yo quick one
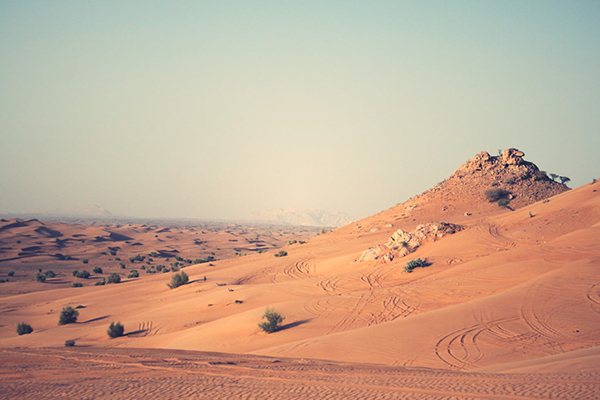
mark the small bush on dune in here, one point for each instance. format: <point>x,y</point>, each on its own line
<point>24,329</point>
<point>115,330</point>
<point>273,323</point>
<point>69,343</point>
<point>85,261</point>
<point>133,274</point>
<point>68,315</point>
<point>40,277</point>
<point>10,273</point>
<point>83,274</point>
<point>50,274</point>
<point>76,284</point>
<point>97,270</point>
<point>281,253</point>
<point>113,277</point>
<point>493,195</point>
<point>178,280</point>
<point>416,263</point>
<point>503,203</point>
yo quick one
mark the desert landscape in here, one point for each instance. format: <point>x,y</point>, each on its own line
<point>486,286</point>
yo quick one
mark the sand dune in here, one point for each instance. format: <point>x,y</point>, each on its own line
<point>512,292</point>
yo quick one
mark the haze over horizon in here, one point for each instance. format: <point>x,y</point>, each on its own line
<point>221,110</point>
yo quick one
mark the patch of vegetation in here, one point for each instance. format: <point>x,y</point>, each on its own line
<point>11,273</point>
<point>273,321</point>
<point>540,175</point>
<point>24,329</point>
<point>133,274</point>
<point>416,263</point>
<point>50,274</point>
<point>85,261</point>
<point>68,315</point>
<point>178,280</point>
<point>203,260</point>
<point>75,272</point>
<point>115,330</point>
<point>503,203</point>
<point>100,283</point>
<point>97,270</point>
<point>493,195</point>
<point>113,277</point>
<point>564,180</point>
<point>69,343</point>
<point>83,274</point>
<point>77,284</point>
<point>40,277</point>
<point>281,253</point>
<point>137,258</point>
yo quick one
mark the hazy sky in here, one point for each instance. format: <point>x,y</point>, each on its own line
<point>217,109</point>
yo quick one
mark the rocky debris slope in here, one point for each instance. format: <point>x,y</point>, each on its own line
<point>402,243</point>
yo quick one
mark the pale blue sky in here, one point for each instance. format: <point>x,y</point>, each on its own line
<point>220,109</point>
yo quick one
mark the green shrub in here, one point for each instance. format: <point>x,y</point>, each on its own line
<point>281,253</point>
<point>133,274</point>
<point>24,329</point>
<point>97,270</point>
<point>541,176</point>
<point>113,253</point>
<point>69,343</point>
<point>11,273</point>
<point>115,330</point>
<point>85,261</point>
<point>50,274</point>
<point>83,274</point>
<point>503,202</point>
<point>273,323</point>
<point>76,284</point>
<point>40,277</point>
<point>178,280</point>
<point>416,263</point>
<point>493,195</point>
<point>564,179</point>
<point>100,283</point>
<point>68,315</point>
<point>113,277</point>
<point>75,272</point>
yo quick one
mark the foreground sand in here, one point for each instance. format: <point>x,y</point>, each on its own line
<point>92,373</point>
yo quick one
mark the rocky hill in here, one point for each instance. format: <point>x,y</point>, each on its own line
<point>462,196</point>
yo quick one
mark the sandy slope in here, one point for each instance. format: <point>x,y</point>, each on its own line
<point>514,291</point>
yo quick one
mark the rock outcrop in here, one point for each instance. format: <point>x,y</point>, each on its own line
<point>402,243</point>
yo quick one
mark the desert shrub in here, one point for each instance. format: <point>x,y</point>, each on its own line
<point>178,258</point>
<point>503,202</point>
<point>97,270</point>
<point>83,274</point>
<point>100,283</point>
<point>2,280</point>
<point>204,260</point>
<point>416,263</point>
<point>50,274</point>
<point>553,177</point>
<point>24,329</point>
<point>281,253</point>
<point>541,176</point>
<point>68,315</point>
<point>273,321</point>
<point>291,242</point>
<point>75,272</point>
<point>85,261</point>
<point>493,195</point>
<point>113,253</point>
<point>178,280</point>
<point>40,277</point>
<point>10,273</point>
<point>69,343</point>
<point>76,284</point>
<point>564,179</point>
<point>115,330</point>
<point>143,267</point>
<point>113,277</point>
<point>68,258</point>
<point>133,274</point>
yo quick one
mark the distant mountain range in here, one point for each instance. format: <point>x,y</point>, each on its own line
<point>303,217</point>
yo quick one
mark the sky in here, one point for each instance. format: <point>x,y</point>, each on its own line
<point>220,109</point>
